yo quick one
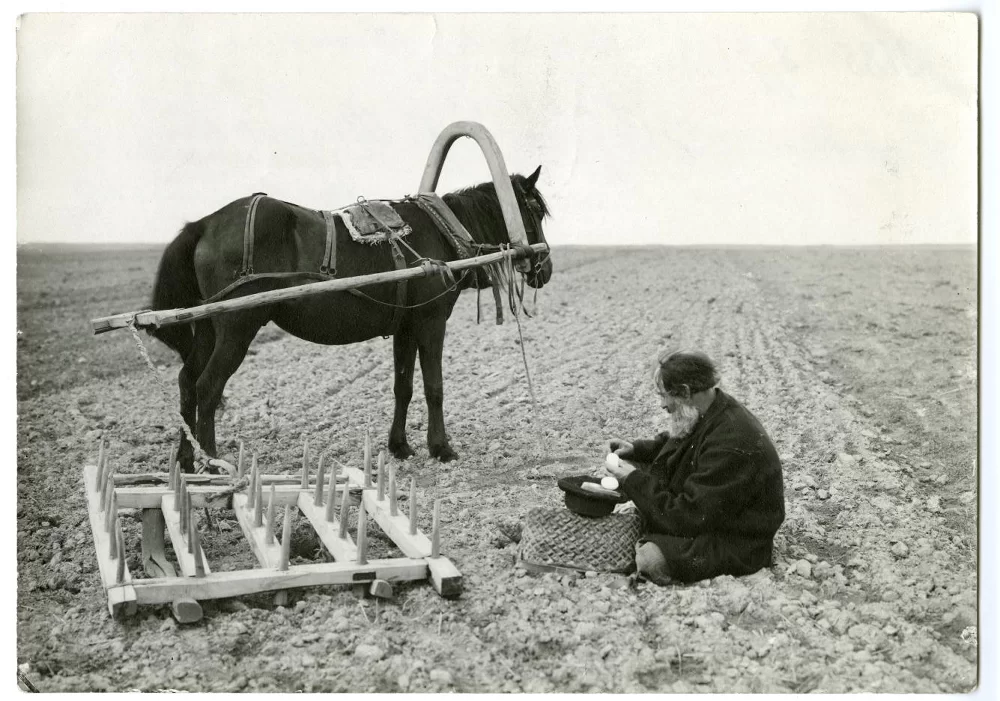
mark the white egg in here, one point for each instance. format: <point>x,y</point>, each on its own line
<point>611,460</point>
<point>609,482</point>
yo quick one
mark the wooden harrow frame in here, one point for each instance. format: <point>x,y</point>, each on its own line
<point>171,504</point>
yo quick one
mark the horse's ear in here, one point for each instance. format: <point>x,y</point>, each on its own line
<point>533,178</point>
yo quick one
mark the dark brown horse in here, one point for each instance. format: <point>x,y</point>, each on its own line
<point>201,262</point>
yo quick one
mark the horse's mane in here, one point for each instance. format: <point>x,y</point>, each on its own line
<point>478,208</point>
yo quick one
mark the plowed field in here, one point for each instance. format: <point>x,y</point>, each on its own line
<point>860,363</point>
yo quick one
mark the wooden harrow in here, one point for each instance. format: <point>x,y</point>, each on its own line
<point>170,503</point>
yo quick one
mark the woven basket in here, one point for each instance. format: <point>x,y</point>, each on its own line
<point>560,538</point>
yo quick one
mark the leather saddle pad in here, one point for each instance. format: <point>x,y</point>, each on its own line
<point>374,217</point>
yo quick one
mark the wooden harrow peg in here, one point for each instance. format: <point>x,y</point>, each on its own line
<point>286,538</point>
<point>239,463</point>
<point>380,475</point>
<point>413,506</point>
<point>320,476</point>
<point>99,483</point>
<point>305,464</point>
<point>392,490</point>
<point>269,528</point>
<point>368,460</point>
<point>331,497</point>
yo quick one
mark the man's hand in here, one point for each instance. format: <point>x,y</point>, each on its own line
<point>618,468</point>
<point>622,449</point>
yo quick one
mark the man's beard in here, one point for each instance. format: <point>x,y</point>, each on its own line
<point>682,420</point>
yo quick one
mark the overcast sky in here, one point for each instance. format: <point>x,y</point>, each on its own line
<point>673,129</point>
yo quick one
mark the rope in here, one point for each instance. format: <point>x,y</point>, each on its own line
<point>507,275</point>
<point>452,288</point>
<point>200,456</point>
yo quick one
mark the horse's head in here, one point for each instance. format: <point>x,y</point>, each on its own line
<point>533,211</point>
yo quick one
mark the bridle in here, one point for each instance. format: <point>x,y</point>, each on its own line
<point>533,230</point>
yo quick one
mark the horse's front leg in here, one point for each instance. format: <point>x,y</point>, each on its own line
<point>404,351</point>
<point>431,344</point>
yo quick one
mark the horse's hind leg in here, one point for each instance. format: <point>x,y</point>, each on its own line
<point>404,351</point>
<point>430,340</point>
<point>233,335</point>
<point>194,364</point>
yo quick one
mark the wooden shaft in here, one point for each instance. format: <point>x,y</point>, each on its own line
<point>169,317</point>
<point>436,530</point>
<point>239,463</point>
<point>173,459</point>
<point>119,540</point>
<point>286,538</point>
<point>305,465</point>
<point>269,535</point>
<point>392,490</point>
<point>362,534</point>
<point>344,501</point>
<point>331,497</point>
<point>192,524</point>
<point>413,506</point>
<point>100,467</point>
<point>368,459</point>
<point>318,494</point>
<point>258,504</point>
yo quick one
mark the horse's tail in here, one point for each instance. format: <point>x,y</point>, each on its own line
<point>176,287</point>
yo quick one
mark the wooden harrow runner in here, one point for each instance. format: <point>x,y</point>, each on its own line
<point>171,504</point>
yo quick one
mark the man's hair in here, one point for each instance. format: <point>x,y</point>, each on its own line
<point>677,369</point>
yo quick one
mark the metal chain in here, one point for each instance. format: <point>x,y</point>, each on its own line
<point>199,454</point>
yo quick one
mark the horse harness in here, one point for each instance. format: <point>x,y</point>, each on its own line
<point>439,212</point>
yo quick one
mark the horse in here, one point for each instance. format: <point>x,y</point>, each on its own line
<point>287,238</point>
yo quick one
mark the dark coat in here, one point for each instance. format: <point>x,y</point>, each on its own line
<point>712,501</point>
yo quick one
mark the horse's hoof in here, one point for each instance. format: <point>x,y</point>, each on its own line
<point>401,451</point>
<point>444,453</point>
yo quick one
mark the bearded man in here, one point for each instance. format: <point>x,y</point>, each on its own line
<point>709,489</point>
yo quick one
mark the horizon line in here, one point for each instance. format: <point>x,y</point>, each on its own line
<point>129,244</point>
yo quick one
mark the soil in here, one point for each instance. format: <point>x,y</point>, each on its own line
<point>860,363</point>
